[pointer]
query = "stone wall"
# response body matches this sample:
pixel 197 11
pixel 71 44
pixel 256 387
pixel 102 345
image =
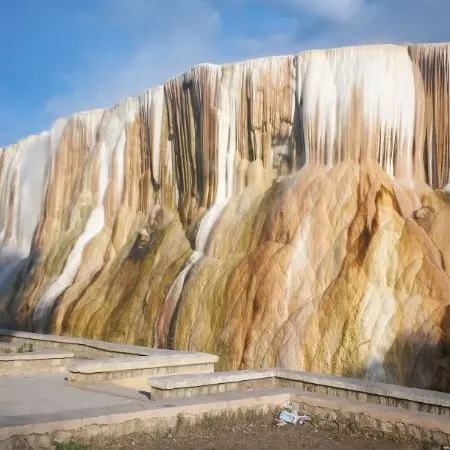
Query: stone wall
pixel 82 348
pixel 39 361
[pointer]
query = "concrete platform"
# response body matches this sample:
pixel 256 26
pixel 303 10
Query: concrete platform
pixel 41 398
pixel 317 382
pixel 112 397
pixel 110 415
pixel 187 381
pixel 114 361
pixel 141 366
pixel 194 385
pixel 82 347
pixel 173 387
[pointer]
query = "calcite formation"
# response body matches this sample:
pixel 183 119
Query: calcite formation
pixel 288 211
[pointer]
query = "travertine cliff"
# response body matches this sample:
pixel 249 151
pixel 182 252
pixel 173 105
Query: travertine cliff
pixel 287 211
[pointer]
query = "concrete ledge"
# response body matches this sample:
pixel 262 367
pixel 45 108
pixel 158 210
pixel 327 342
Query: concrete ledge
pixel 379 393
pixel 184 386
pixel 107 361
pixel 143 362
pixel 157 416
pixel 83 347
pixel 144 366
pixel 184 381
pixel 373 392
pixel 40 361
pixel 160 416
pixel 35 355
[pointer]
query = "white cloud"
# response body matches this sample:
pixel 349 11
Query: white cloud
pixel 176 35
pixel 334 10
pixel 162 38
pixel 388 21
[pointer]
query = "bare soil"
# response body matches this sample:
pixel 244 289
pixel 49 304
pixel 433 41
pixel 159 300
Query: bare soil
pixel 259 434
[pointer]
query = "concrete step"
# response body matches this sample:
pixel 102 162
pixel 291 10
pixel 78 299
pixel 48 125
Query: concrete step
pixel 37 361
pixel 193 385
pixel 91 371
pixel 173 387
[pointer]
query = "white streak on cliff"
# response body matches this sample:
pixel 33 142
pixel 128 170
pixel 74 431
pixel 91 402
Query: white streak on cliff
pixel 226 124
pixel 358 103
pixel 157 109
pixel 114 143
pixel 22 183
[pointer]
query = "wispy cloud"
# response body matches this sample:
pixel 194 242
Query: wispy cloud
pixel 388 21
pixel 127 46
pixel 173 35
pixel 177 34
pixel 341 11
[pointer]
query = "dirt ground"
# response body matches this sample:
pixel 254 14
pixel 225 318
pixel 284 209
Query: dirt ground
pixel 258 434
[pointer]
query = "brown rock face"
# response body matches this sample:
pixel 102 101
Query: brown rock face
pixel 288 211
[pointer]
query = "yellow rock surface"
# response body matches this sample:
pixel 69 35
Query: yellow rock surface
pixel 288 211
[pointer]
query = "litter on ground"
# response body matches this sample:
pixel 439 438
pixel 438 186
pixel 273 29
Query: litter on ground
pixel 289 415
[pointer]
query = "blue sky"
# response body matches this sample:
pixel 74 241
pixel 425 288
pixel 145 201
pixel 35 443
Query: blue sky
pixel 64 56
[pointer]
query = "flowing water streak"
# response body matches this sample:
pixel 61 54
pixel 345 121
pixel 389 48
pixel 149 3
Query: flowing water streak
pixel 114 143
pixel 157 107
pixel 253 76
pixel 358 103
pixel 22 178
pixel 226 149
pixel 23 175
pixel 151 104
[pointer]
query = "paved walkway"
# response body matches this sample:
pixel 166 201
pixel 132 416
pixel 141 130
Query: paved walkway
pixel 44 406
pixel 46 397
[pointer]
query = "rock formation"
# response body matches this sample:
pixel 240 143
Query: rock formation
pixel 288 211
